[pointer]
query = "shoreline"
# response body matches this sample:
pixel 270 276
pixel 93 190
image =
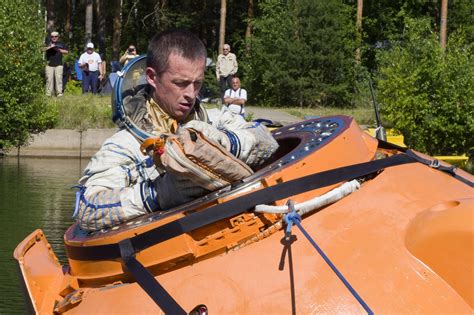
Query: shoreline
pixel 63 143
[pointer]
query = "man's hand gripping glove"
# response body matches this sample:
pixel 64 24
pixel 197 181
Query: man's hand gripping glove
pixel 171 189
pixel 251 143
pixel 194 166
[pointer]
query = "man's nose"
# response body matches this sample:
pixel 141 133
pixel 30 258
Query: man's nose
pixel 191 90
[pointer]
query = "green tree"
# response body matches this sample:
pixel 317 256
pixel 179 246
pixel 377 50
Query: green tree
pixel 302 53
pixel 22 107
pixel 426 93
pixel 384 19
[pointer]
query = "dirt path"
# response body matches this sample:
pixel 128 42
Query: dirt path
pixel 271 114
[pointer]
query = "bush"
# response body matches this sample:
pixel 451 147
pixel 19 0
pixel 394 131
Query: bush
pixel 428 93
pixel 73 87
pixel 83 111
pixel 23 108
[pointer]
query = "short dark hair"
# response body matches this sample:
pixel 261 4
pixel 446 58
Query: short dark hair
pixel 181 42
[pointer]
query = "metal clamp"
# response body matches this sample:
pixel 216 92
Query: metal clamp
pixel 435 163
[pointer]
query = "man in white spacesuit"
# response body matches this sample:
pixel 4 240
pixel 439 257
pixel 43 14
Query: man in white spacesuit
pixel 120 182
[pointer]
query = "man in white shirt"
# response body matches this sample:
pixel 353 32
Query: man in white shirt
pixel 90 62
pixel 226 68
pixel 236 97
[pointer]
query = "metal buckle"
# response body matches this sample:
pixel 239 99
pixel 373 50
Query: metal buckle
pixel 435 163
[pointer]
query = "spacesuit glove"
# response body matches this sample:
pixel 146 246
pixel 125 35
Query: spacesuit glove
pixel 210 132
pixel 256 144
pixel 173 190
pixel 251 143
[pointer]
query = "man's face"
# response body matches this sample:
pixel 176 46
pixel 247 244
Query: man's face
pixel 176 89
pixel 54 39
pixel 235 84
pixel 226 49
pixel 90 50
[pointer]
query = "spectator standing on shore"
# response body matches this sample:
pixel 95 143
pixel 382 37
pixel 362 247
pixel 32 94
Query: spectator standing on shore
pixel 226 68
pixel 129 54
pixel 90 63
pixel 235 97
pixel 54 67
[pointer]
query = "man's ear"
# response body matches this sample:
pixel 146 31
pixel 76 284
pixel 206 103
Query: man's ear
pixel 151 77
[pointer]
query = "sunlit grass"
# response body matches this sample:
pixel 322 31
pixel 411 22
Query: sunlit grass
pixel 363 116
pixel 83 111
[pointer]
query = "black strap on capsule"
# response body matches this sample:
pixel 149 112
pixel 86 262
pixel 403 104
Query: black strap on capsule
pixel 436 164
pixel 147 281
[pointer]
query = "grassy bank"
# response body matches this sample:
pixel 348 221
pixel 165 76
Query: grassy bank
pixel 82 111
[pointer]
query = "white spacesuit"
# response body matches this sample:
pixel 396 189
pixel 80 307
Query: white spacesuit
pixel 121 183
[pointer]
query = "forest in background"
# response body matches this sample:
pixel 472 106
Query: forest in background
pixel 304 53
pixel 293 52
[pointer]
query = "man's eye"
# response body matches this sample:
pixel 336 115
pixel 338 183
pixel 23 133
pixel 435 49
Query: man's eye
pixel 182 84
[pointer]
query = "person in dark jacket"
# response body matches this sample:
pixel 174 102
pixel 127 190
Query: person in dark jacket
pixel 54 67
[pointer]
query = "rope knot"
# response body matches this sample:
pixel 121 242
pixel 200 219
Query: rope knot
pixel 292 217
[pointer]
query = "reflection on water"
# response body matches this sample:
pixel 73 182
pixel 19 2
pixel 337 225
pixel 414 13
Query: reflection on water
pixel 34 193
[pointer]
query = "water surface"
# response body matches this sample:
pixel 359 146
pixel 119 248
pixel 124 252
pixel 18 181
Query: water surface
pixel 35 193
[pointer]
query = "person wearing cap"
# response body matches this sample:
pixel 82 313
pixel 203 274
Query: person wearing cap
pixel 90 63
pixel 54 67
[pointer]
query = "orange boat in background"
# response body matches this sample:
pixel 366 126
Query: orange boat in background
pixel 336 222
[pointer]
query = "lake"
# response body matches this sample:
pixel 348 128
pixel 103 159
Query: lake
pixel 35 193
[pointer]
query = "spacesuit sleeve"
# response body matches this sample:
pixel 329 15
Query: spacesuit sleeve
pixel 117 184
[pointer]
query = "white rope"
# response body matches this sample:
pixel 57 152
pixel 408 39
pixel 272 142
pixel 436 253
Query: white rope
pixel 315 203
